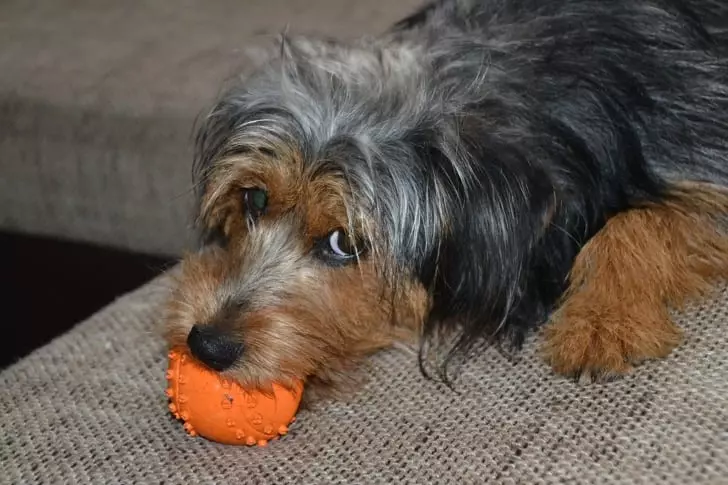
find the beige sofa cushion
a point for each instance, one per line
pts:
(90, 408)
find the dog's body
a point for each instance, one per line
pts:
(485, 167)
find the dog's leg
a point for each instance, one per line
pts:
(626, 279)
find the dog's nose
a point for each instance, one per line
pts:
(213, 347)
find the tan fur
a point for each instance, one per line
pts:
(625, 280)
(330, 316)
(194, 295)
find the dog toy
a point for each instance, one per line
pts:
(221, 410)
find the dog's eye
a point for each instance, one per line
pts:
(338, 247)
(256, 201)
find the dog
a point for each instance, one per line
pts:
(482, 169)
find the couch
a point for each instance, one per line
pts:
(97, 102)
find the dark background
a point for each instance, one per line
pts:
(51, 285)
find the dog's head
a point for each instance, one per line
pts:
(345, 201)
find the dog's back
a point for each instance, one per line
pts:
(659, 68)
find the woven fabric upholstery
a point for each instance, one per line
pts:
(90, 408)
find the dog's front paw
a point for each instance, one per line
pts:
(598, 340)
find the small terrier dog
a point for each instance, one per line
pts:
(480, 169)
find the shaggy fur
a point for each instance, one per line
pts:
(464, 159)
(625, 279)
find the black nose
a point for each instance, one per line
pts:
(212, 347)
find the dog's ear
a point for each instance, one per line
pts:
(211, 134)
(489, 276)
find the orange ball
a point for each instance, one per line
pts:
(221, 410)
